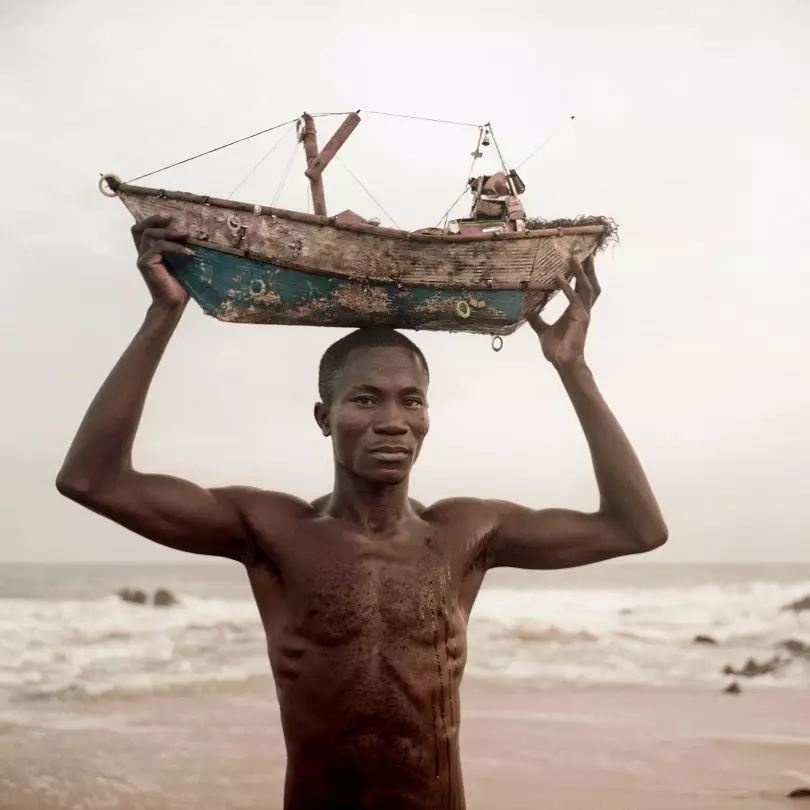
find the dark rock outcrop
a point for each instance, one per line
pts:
(700, 639)
(733, 688)
(753, 668)
(795, 647)
(164, 598)
(799, 605)
(799, 793)
(134, 595)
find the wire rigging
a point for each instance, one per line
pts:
(284, 176)
(422, 118)
(498, 150)
(442, 223)
(292, 121)
(533, 153)
(266, 155)
(484, 132)
(371, 196)
(211, 151)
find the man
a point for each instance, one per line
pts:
(364, 594)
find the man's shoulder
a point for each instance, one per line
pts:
(481, 515)
(270, 519)
(453, 509)
(254, 502)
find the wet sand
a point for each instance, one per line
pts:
(522, 749)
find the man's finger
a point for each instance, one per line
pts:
(537, 323)
(151, 235)
(590, 272)
(567, 290)
(584, 287)
(155, 253)
(155, 221)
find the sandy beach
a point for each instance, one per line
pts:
(523, 749)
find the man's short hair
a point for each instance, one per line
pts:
(372, 337)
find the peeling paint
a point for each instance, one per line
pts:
(363, 299)
(243, 290)
(265, 297)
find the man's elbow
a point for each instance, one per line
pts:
(83, 489)
(75, 488)
(636, 536)
(650, 538)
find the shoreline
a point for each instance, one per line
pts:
(473, 682)
(618, 748)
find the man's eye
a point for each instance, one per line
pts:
(363, 400)
(413, 402)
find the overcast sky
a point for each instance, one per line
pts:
(692, 130)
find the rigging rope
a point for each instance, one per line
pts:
(444, 217)
(292, 121)
(373, 198)
(422, 118)
(475, 155)
(285, 175)
(532, 154)
(211, 151)
(266, 155)
(500, 155)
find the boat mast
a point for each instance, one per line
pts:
(318, 161)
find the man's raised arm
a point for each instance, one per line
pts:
(628, 520)
(97, 472)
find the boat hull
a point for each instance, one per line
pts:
(255, 264)
(242, 290)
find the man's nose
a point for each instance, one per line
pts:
(391, 422)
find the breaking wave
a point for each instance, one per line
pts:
(554, 636)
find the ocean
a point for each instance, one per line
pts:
(65, 633)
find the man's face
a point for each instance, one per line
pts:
(378, 415)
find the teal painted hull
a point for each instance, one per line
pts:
(241, 290)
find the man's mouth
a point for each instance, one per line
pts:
(390, 452)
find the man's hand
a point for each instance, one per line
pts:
(153, 238)
(563, 342)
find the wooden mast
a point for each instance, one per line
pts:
(318, 161)
(311, 151)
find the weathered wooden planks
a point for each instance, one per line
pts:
(260, 265)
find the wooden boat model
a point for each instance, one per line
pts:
(256, 264)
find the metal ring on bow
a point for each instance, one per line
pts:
(106, 190)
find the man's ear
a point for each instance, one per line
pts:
(321, 412)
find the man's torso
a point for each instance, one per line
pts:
(367, 642)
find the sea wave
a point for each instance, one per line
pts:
(554, 636)
(638, 636)
(52, 648)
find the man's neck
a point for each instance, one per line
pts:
(376, 508)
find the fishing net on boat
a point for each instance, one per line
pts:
(609, 236)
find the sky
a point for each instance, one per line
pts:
(692, 129)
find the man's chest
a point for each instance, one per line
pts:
(337, 586)
(379, 590)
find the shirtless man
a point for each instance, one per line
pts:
(364, 594)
